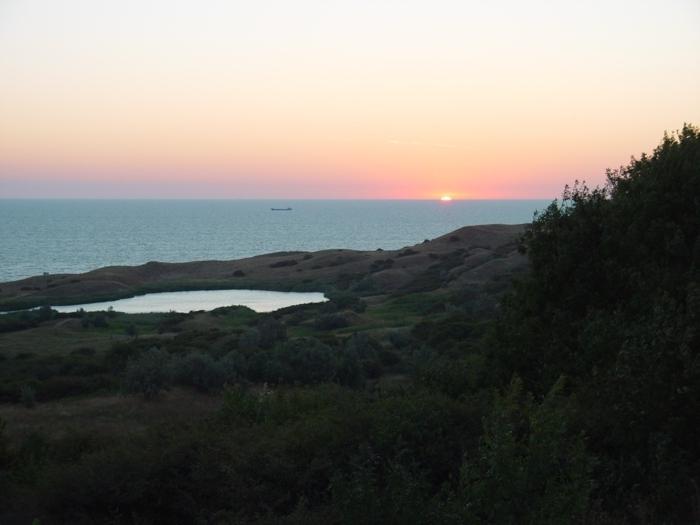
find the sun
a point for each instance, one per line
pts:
(446, 198)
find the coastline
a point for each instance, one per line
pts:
(470, 257)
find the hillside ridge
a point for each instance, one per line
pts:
(471, 257)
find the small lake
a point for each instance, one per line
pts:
(184, 302)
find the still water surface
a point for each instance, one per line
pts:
(258, 300)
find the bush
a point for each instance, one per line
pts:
(171, 322)
(531, 467)
(27, 396)
(234, 366)
(304, 360)
(199, 371)
(147, 374)
(346, 301)
(270, 331)
(399, 339)
(249, 339)
(5, 455)
(58, 387)
(331, 322)
(611, 301)
(83, 351)
(119, 355)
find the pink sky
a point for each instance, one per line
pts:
(326, 99)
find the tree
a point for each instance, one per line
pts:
(612, 301)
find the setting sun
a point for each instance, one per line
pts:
(445, 198)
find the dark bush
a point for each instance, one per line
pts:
(331, 322)
(27, 396)
(234, 366)
(58, 387)
(249, 339)
(118, 355)
(270, 331)
(83, 351)
(612, 302)
(199, 371)
(147, 374)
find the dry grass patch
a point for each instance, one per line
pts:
(106, 415)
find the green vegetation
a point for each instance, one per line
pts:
(575, 401)
(612, 303)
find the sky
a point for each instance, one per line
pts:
(329, 99)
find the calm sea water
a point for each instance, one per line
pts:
(68, 236)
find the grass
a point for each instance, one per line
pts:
(52, 340)
(403, 311)
(106, 415)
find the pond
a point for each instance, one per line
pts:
(184, 302)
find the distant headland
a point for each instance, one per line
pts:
(473, 256)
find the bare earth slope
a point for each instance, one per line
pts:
(473, 258)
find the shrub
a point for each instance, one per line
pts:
(399, 338)
(84, 351)
(199, 371)
(170, 323)
(532, 466)
(611, 300)
(306, 360)
(331, 322)
(345, 301)
(364, 345)
(249, 339)
(234, 366)
(64, 386)
(44, 313)
(5, 456)
(147, 374)
(27, 396)
(270, 331)
(118, 356)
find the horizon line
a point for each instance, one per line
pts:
(437, 199)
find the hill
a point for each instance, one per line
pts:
(473, 256)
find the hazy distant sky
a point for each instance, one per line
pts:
(328, 99)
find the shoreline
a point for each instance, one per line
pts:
(471, 256)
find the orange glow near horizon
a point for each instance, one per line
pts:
(324, 99)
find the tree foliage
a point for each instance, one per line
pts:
(612, 302)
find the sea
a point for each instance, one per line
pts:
(72, 236)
